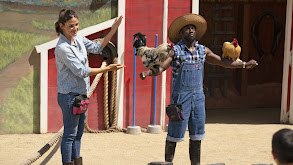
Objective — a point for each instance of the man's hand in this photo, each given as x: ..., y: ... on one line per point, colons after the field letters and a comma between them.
x: 251, y: 64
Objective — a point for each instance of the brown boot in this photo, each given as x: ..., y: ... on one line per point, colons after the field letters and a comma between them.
x: 78, y: 161
x: 68, y: 163
x: 169, y: 151
x: 194, y: 151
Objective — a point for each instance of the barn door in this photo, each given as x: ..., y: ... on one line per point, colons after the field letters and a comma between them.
x: 223, y: 25
x: 259, y: 29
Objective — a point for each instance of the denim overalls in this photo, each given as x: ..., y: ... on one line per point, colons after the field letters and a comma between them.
x: 188, y: 90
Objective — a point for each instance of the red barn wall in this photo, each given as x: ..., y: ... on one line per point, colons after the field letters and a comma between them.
x: 146, y: 17
x: 54, y: 111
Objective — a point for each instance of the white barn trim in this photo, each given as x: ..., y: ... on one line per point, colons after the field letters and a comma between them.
x: 284, y: 117
x: 120, y: 73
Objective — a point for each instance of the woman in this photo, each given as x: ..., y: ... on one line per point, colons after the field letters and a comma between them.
x: 73, y: 78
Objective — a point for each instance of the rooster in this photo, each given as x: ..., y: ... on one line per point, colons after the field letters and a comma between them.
x: 151, y: 57
x: 232, y: 50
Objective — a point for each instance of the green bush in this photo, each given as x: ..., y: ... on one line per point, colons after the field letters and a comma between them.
x: 20, y: 111
x: 13, y: 44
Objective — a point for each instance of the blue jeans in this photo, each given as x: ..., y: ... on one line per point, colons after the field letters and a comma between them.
x: 73, y: 128
x: 193, y: 105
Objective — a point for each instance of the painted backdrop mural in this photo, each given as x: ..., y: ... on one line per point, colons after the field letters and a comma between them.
x: 25, y: 24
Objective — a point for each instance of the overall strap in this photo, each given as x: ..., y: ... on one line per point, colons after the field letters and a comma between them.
x: 202, y: 53
x: 201, y: 50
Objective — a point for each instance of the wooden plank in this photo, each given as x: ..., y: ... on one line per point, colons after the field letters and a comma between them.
x: 245, y: 48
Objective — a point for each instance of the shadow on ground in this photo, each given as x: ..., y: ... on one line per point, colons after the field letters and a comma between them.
x: 244, y: 116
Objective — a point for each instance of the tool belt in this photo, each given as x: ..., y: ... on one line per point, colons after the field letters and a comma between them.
x: 174, y: 112
x: 80, y: 104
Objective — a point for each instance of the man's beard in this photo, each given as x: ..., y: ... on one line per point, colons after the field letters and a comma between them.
x: 190, y: 39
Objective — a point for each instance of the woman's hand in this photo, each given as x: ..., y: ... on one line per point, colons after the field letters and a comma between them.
x: 116, y: 23
x: 114, y: 67
x: 111, y: 67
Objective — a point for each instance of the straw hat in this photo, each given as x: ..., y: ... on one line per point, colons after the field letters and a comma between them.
x: 188, y: 19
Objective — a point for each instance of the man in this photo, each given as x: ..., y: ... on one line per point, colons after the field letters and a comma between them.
x: 282, y: 147
x: 187, y: 62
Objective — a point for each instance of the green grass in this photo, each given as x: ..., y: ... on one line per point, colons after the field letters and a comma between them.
x: 54, y: 3
x: 20, y: 111
x: 86, y: 19
x: 41, y: 24
x: 13, y: 44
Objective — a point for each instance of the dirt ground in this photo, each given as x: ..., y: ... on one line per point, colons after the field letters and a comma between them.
x: 233, y: 137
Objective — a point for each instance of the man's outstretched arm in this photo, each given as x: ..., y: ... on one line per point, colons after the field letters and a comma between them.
x: 164, y: 66
x: 214, y: 59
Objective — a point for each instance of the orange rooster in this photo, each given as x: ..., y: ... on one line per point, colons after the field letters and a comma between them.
x: 232, y: 50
